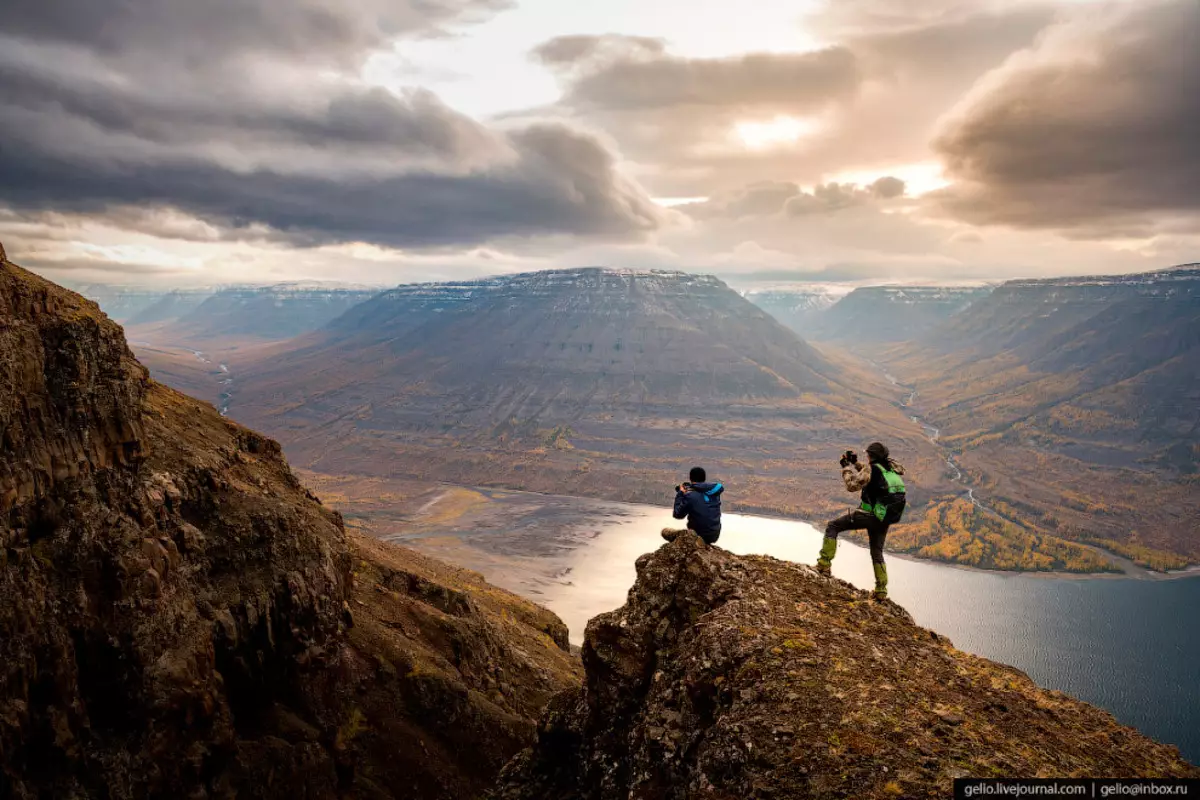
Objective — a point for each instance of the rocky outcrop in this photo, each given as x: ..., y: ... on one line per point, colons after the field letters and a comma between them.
x: 180, y: 618
x: 738, y: 677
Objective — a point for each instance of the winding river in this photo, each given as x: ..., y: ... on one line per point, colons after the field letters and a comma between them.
x: 933, y: 434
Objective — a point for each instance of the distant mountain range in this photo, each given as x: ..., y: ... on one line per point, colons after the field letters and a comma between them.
x: 271, y: 313
x: 185, y: 336
x: 872, y: 313
x: 166, y: 307
x: 799, y: 308
x: 589, y: 381
x: 197, y: 316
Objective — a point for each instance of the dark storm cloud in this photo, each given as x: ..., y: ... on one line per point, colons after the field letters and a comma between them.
x: 1095, y: 131
x: 200, y: 31
x: 561, y: 182
x: 153, y: 103
x: 41, y: 107
x: 887, y: 187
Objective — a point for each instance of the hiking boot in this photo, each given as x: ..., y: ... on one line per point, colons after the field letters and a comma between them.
x: 671, y: 534
x: 880, y: 582
x: 825, y: 558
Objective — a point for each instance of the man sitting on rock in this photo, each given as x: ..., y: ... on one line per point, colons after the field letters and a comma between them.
x: 883, y: 501
x: 699, y: 501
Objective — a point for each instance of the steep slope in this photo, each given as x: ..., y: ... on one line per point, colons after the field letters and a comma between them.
x: 588, y: 381
x: 1074, y: 402
x: 726, y: 676
x: 180, y: 618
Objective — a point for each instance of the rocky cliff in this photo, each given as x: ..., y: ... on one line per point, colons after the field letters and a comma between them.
x: 180, y: 618
x: 737, y: 677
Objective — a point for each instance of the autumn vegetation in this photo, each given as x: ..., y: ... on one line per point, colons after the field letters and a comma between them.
x: 955, y: 530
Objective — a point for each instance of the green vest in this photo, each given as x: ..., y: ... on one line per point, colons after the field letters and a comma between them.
x: 895, y: 494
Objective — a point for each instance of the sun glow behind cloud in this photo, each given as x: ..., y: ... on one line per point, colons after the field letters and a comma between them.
x: 782, y: 130
x: 919, y: 178
x: 670, y: 202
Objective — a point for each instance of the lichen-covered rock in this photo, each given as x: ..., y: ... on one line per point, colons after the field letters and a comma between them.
x: 179, y: 618
x: 748, y: 677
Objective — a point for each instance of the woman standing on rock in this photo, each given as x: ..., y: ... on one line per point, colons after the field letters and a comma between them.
x: 883, y: 501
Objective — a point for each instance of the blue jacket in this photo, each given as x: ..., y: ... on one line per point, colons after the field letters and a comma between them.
x: 701, y: 504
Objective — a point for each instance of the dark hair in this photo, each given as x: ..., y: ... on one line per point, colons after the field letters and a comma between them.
x: 697, y: 475
x: 877, y: 452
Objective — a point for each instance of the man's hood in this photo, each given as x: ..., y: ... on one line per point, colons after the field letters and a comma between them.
x: 710, y: 488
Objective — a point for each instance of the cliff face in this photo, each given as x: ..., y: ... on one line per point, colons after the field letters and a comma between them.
x: 731, y: 677
x: 180, y: 618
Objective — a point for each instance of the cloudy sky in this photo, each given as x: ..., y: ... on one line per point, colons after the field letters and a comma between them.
x: 384, y: 141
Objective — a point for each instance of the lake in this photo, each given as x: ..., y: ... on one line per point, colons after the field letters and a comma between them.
x: 1131, y: 646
